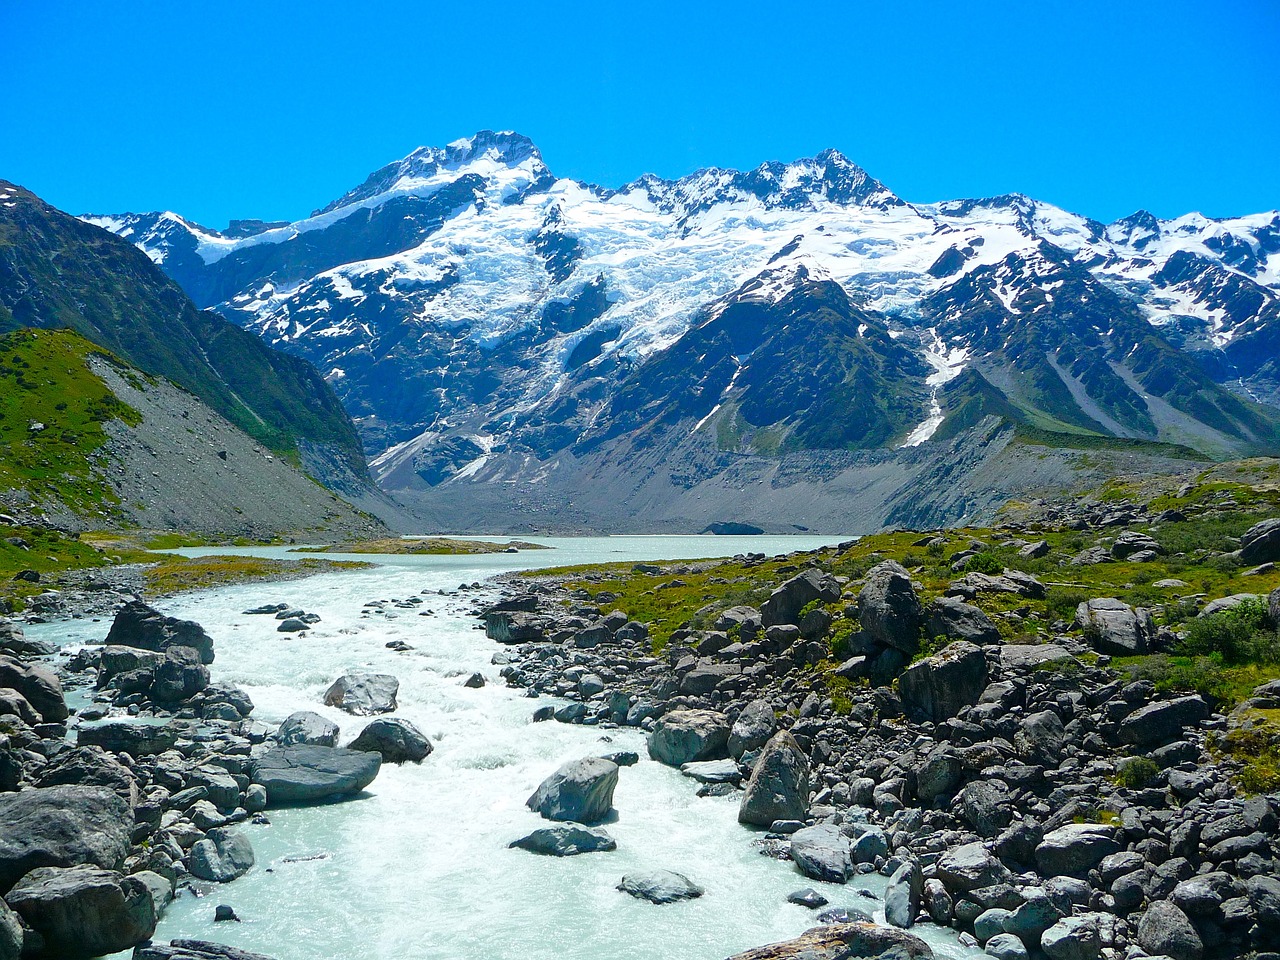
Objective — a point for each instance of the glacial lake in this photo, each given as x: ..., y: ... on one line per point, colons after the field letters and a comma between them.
x: 418, y: 867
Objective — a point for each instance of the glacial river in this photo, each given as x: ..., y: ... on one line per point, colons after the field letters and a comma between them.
x: 418, y: 867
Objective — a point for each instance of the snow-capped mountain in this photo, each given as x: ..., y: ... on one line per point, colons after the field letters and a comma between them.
x: 480, y: 317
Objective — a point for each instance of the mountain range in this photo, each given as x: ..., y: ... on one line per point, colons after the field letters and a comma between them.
x: 521, y: 350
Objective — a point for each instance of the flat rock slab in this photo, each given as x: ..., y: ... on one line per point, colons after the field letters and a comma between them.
x: 194, y: 950
x: 1027, y: 655
x: 133, y: 737
x: 822, y: 853
x: 305, y: 773
x: 660, y: 886
x: 568, y: 840
x: 60, y: 827
x: 712, y: 771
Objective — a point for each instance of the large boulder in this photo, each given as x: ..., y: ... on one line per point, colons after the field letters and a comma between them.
x: 90, y: 767
x: 396, y: 740
x: 660, y: 886
x: 888, y: 608
x: 1075, y: 849
x: 844, y: 941
x: 786, y: 602
x: 38, y: 686
x: 1112, y: 626
x: 1166, y: 931
x: 116, y: 660
x: 305, y: 773
x: 779, y: 784
x: 363, y: 694
x: 138, y: 625
x: 822, y: 853
x: 753, y: 728
x: 683, y: 736
x: 581, y: 791
x: 953, y: 618
x: 938, y: 687
x: 1261, y: 543
x: 970, y: 867
x: 134, y: 737
x: 180, y: 676
x: 1072, y: 938
x: 60, y: 827
x: 11, y: 935
x: 507, y: 626
x: 904, y: 895
x: 305, y: 726
x: 223, y: 855
x: 15, y: 643
x: 568, y: 840
x: 84, y: 911
x: 1161, y: 723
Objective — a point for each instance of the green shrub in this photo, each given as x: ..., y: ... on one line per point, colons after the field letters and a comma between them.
x: 935, y: 548
x: 1241, y: 634
x: 1137, y: 772
x: 984, y: 562
x: 1060, y: 602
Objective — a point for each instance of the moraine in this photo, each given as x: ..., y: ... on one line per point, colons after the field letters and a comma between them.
x: 419, y: 865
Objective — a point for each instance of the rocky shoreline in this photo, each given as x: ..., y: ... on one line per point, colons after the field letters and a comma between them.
x: 1030, y: 796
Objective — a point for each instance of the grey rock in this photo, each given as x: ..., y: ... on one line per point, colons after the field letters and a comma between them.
x: 1131, y: 542
x: 581, y: 790
x: 785, y: 603
x: 1024, y: 656
x: 179, y: 676
x: 308, y: 728
x: 11, y: 936
x: 60, y: 827
x: 1040, y: 737
x: 1005, y: 946
x: 822, y: 853
x: 566, y: 841
x: 808, y: 897
x: 141, y: 626
x: 938, y: 687
x: 193, y: 950
x: 1264, y: 897
x: 1032, y: 918
x: 779, y: 784
x: 38, y: 686
x: 363, y: 694
x: 845, y: 941
x: 984, y: 805
x: 14, y: 643
x: 1223, y: 604
x: 1075, y: 849
x: 888, y: 608
x: 90, y: 767
x: 84, y: 911
x: 1072, y: 938
x: 136, y: 738
x: 395, y: 740
x: 660, y: 886
x: 713, y: 771
x: 1164, y: 930
x: 753, y: 728
x: 223, y: 855
x: 903, y: 895
x: 682, y: 736
x: 304, y: 773
x: 871, y: 845
x: 1261, y: 542
x: 952, y: 617
x: 938, y: 774
x: 1113, y: 627
x: 1159, y: 723
x: 969, y: 867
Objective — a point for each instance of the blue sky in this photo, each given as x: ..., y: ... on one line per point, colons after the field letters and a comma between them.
x: 271, y: 109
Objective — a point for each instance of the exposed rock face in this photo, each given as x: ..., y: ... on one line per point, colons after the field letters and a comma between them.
x: 779, y: 784
x: 1164, y: 930
x: 844, y: 941
x: 90, y: 767
x: 307, y: 727
x: 566, y: 841
x: 1114, y: 627
x: 38, y: 686
x: 84, y: 911
x: 786, y: 601
x: 310, y: 774
x: 683, y: 736
x: 888, y: 608
x: 753, y: 728
x: 396, y: 740
x: 938, y: 687
x: 138, y: 625
x: 363, y: 694
x: 660, y: 886
x: 1261, y: 542
x: 60, y: 827
x: 581, y: 790
x: 223, y: 855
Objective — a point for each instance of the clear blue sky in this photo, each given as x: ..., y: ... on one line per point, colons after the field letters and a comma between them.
x: 271, y: 109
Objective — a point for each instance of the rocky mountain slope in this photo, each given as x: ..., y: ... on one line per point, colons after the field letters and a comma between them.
x: 93, y: 443
x: 57, y: 271
x: 492, y: 328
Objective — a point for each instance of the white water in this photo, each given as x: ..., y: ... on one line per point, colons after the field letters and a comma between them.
x: 419, y: 866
